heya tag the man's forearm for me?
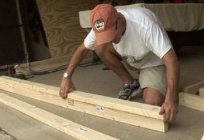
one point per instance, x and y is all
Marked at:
(109, 57)
(172, 74)
(76, 58)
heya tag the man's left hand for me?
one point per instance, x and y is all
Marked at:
(169, 109)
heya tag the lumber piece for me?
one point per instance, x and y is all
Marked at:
(201, 92)
(5, 136)
(49, 64)
(194, 88)
(192, 101)
(59, 123)
(133, 113)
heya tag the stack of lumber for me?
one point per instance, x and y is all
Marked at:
(137, 114)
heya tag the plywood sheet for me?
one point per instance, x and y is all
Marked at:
(61, 24)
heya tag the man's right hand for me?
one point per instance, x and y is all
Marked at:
(66, 87)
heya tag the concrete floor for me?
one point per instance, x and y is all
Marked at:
(188, 126)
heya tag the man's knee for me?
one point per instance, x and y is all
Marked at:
(152, 97)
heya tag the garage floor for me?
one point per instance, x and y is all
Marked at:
(188, 126)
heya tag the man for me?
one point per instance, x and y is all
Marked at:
(137, 36)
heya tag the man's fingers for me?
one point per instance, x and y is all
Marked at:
(173, 115)
(170, 115)
(167, 115)
(162, 111)
(169, 112)
(63, 93)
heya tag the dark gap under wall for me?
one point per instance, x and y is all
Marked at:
(21, 33)
(11, 45)
(37, 46)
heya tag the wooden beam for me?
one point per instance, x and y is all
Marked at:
(47, 64)
(193, 89)
(43, 65)
(5, 136)
(201, 92)
(133, 113)
(191, 101)
(73, 129)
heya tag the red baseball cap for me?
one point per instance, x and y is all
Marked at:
(103, 21)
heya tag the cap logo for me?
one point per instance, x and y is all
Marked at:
(99, 25)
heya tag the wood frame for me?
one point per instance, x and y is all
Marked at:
(47, 64)
(133, 113)
(194, 88)
(5, 136)
(191, 101)
(73, 129)
(201, 92)
(192, 96)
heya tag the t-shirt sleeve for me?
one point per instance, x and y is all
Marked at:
(89, 41)
(157, 40)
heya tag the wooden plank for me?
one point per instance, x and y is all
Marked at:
(191, 101)
(201, 92)
(133, 113)
(47, 64)
(59, 123)
(193, 89)
(5, 136)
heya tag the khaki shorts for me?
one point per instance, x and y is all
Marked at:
(154, 77)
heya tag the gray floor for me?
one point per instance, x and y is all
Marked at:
(188, 126)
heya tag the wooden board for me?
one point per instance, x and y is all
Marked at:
(64, 125)
(47, 65)
(201, 92)
(202, 137)
(5, 136)
(191, 101)
(193, 89)
(133, 113)
(44, 65)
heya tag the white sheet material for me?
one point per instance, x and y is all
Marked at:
(174, 17)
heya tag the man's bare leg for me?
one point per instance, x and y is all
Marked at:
(152, 96)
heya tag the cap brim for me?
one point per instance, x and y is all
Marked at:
(105, 36)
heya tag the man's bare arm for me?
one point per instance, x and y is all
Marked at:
(169, 107)
(66, 83)
(112, 60)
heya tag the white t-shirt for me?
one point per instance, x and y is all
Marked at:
(144, 42)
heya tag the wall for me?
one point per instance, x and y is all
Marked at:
(61, 24)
